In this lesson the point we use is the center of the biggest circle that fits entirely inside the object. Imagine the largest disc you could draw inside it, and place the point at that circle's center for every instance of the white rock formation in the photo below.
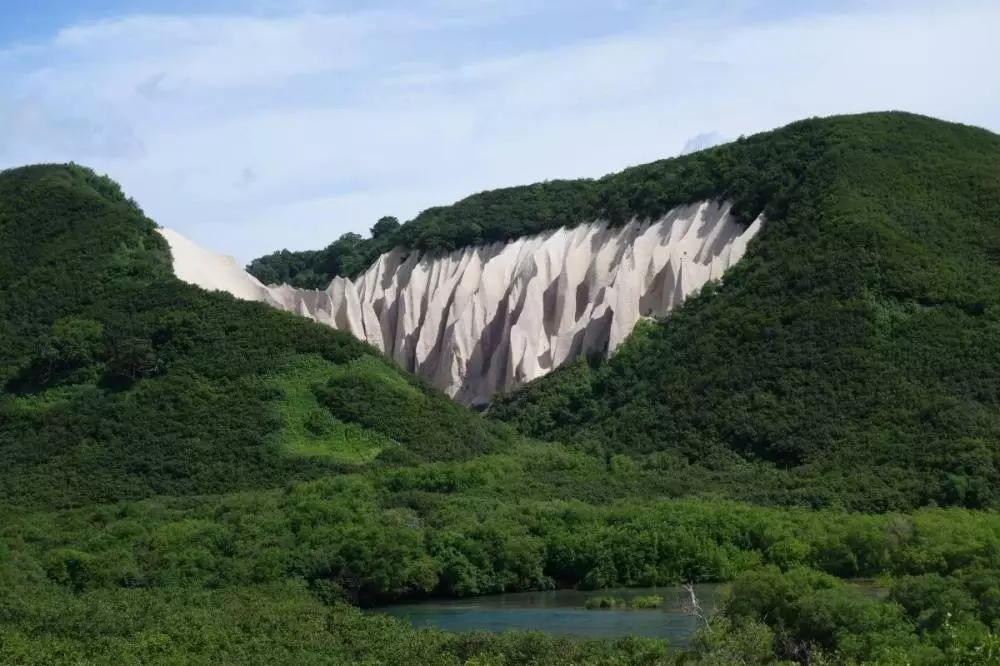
(487, 319)
(214, 272)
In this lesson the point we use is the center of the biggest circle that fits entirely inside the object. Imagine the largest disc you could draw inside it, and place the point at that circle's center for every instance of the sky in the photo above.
(255, 125)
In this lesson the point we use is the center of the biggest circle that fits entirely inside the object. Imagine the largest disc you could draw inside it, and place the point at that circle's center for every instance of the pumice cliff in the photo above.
(487, 319)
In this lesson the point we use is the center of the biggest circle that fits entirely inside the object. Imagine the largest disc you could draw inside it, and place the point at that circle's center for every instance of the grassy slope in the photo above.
(310, 430)
(857, 342)
(119, 381)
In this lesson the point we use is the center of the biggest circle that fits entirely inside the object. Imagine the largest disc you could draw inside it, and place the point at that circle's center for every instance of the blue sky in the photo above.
(253, 125)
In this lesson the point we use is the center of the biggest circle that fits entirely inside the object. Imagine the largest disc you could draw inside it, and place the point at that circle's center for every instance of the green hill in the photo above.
(758, 173)
(192, 479)
(857, 345)
(119, 381)
(849, 360)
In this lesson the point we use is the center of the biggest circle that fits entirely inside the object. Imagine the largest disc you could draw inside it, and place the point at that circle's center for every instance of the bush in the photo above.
(651, 601)
(604, 603)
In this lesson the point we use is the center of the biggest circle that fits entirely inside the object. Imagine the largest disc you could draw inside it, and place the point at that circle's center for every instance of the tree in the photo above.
(132, 359)
(385, 226)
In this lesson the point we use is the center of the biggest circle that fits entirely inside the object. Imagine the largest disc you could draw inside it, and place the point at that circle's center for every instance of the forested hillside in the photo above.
(192, 479)
(758, 174)
(864, 318)
(857, 344)
(122, 382)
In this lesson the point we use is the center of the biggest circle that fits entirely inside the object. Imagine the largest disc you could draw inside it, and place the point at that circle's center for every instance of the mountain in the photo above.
(195, 478)
(853, 347)
(859, 339)
(502, 287)
(121, 381)
(487, 319)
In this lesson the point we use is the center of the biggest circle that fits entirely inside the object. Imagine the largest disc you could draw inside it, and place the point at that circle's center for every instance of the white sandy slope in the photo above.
(213, 272)
(487, 319)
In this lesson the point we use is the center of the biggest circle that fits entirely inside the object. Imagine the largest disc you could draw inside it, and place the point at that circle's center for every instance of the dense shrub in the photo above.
(173, 491)
(757, 174)
(120, 381)
(858, 339)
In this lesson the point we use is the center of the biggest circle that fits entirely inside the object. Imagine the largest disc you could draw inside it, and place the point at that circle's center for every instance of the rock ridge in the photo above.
(484, 320)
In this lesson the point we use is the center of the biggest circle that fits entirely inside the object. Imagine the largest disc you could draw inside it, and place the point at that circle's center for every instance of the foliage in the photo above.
(192, 479)
(872, 292)
(310, 430)
(372, 394)
(466, 528)
(275, 624)
(484, 526)
(649, 601)
(859, 338)
(122, 382)
(758, 173)
(601, 603)
(807, 617)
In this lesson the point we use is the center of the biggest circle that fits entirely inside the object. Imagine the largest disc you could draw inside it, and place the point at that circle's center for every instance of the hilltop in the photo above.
(192, 478)
(120, 381)
(849, 359)
(756, 175)
(857, 344)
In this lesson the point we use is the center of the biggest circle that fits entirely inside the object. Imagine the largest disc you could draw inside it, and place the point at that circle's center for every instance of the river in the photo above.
(562, 612)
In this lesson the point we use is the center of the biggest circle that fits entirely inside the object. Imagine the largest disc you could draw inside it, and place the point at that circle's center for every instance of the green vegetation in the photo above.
(648, 602)
(470, 528)
(854, 349)
(375, 395)
(189, 478)
(467, 528)
(268, 625)
(604, 603)
(758, 174)
(122, 382)
(804, 616)
(310, 430)
(357, 410)
(314, 269)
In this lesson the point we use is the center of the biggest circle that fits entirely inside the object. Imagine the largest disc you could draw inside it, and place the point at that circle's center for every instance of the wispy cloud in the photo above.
(287, 126)
(701, 142)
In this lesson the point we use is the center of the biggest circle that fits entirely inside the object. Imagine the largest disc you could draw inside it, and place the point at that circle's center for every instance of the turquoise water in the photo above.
(562, 612)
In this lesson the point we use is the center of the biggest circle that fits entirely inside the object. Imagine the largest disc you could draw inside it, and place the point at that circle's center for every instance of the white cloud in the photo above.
(702, 141)
(253, 132)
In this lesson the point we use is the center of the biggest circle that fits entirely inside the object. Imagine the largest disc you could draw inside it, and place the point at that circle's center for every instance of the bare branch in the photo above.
(693, 607)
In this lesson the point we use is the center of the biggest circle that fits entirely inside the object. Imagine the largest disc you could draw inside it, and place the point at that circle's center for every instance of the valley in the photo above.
(210, 464)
